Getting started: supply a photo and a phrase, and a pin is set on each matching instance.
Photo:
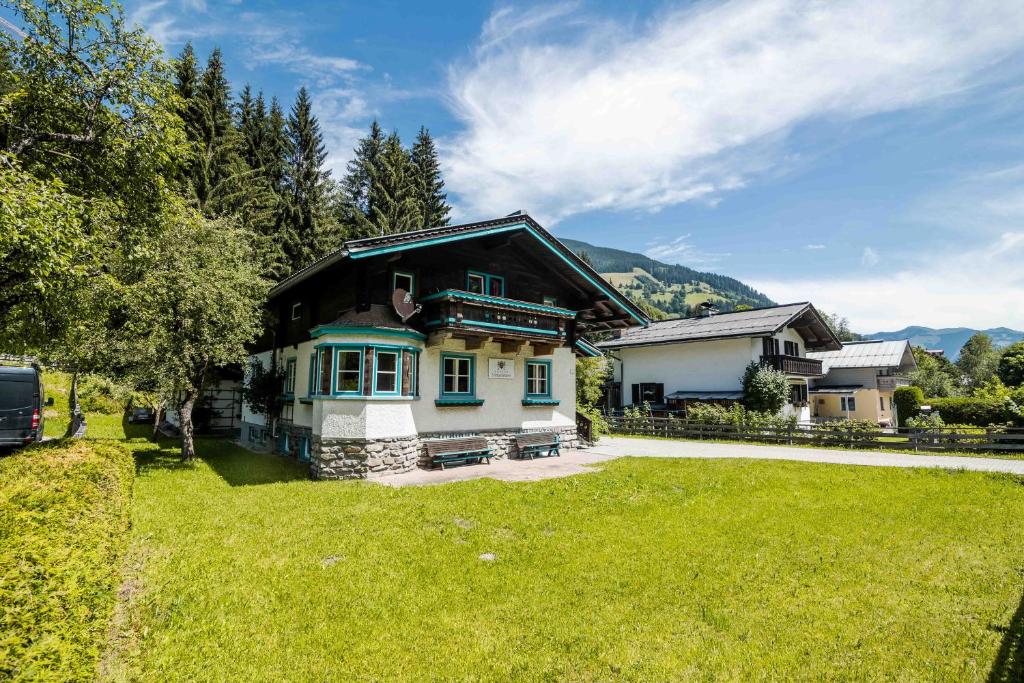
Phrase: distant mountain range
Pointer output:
(673, 289)
(949, 339)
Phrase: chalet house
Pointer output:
(859, 380)
(445, 331)
(671, 363)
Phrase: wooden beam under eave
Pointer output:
(437, 338)
(473, 343)
(512, 345)
(540, 349)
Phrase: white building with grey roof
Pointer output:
(671, 363)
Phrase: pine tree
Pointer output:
(276, 147)
(312, 232)
(357, 185)
(433, 201)
(394, 198)
(250, 119)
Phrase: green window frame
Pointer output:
(538, 379)
(491, 285)
(344, 370)
(311, 385)
(404, 274)
(451, 379)
(382, 372)
(289, 377)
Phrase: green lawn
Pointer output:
(648, 570)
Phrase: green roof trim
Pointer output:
(501, 301)
(322, 330)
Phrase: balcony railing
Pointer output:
(495, 315)
(793, 365)
(892, 382)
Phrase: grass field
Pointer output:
(648, 570)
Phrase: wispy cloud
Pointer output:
(869, 257)
(696, 101)
(682, 250)
(973, 277)
(814, 247)
(934, 292)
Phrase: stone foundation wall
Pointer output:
(374, 458)
(362, 458)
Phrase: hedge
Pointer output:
(980, 412)
(908, 402)
(64, 520)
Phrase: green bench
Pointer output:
(463, 449)
(537, 443)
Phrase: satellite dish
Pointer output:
(403, 304)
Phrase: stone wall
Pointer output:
(362, 458)
(374, 458)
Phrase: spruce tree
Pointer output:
(395, 205)
(250, 119)
(311, 230)
(357, 185)
(430, 194)
(276, 148)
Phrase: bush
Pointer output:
(978, 412)
(64, 515)
(908, 402)
(765, 389)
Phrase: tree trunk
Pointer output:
(158, 414)
(75, 412)
(188, 447)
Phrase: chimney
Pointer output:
(708, 309)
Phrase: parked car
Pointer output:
(142, 416)
(21, 406)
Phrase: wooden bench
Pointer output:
(534, 443)
(464, 449)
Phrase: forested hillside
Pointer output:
(673, 289)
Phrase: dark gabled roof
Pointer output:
(756, 322)
(372, 246)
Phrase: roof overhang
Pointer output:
(388, 244)
(813, 329)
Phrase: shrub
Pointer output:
(908, 403)
(978, 412)
(765, 389)
(931, 421)
(64, 515)
(708, 413)
(1011, 365)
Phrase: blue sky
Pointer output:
(866, 156)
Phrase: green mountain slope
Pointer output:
(673, 289)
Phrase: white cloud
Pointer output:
(869, 257)
(814, 247)
(980, 287)
(696, 101)
(682, 250)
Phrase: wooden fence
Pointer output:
(993, 439)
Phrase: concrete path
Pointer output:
(612, 447)
(582, 461)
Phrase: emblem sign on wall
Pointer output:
(501, 368)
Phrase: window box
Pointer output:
(455, 402)
(540, 402)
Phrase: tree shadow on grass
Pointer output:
(234, 464)
(1009, 663)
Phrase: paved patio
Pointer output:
(588, 460)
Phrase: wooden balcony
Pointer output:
(793, 365)
(480, 315)
(892, 382)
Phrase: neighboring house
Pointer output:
(445, 331)
(674, 362)
(860, 380)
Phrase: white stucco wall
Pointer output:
(693, 366)
(369, 417)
